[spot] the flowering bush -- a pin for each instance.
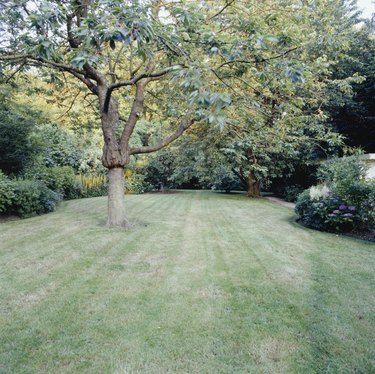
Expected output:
(92, 185)
(337, 215)
(345, 203)
(334, 214)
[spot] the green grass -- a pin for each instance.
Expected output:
(203, 283)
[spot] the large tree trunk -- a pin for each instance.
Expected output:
(114, 159)
(252, 186)
(116, 203)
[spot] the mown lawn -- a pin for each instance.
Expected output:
(203, 283)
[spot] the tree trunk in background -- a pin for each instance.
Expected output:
(253, 186)
(116, 201)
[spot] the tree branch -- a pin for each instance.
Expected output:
(135, 113)
(133, 81)
(153, 76)
(224, 83)
(17, 71)
(42, 62)
(70, 106)
(10, 57)
(185, 123)
(71, 40)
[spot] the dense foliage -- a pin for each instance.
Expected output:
(16, 124)
(6, 193)
(42, 163)
(351, 105)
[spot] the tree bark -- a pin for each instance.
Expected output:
(252, 186)
(116, 202)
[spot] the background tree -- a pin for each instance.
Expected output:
(351, 104)
(17, 122)
(277, 100)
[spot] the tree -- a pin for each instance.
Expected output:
(276, 114)
(113, 45)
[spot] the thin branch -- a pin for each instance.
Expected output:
(16, 72)
(136, 70)
(118, 58)
(10, 57)
(133, 81)
(82, 75)
(228, 4)
(185, 123)
(177, 50)
(70, 106)
(224, 83)
(88, 83)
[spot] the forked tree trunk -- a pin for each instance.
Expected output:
(252, 186)
(114, 159)
(116, 153)
(116, 202)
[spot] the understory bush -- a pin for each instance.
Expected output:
(135, 182)
(26, 197)
(32, 197)
(346, 201)
(290, 193)
(60, 179)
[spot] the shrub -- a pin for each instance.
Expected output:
(60, 179)
(319, 191)
(56, 145)
(48, 199)
(32, 197)
(6, 192)
(334, 214)
(135, 183)
(16, 123)
(290, 193)
(341, 174)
